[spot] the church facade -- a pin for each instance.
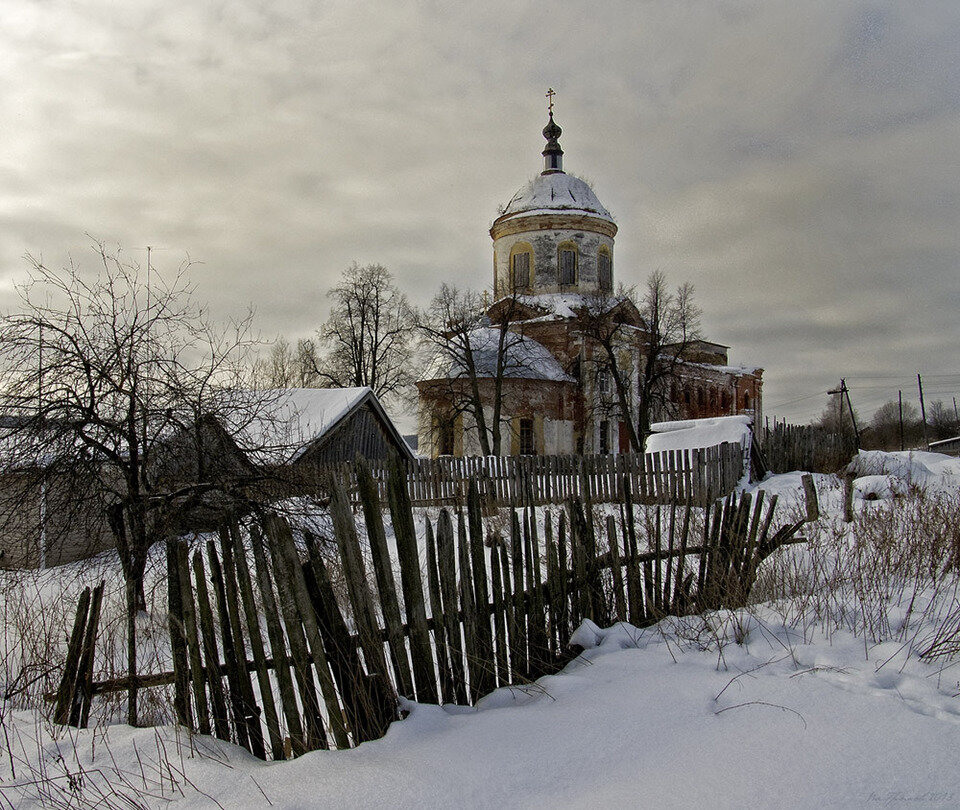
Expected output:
(564, 355)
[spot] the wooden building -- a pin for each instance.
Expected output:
(51, 516)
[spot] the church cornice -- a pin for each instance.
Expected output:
(559, 221)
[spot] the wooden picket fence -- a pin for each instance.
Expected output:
(697, 475)
(804, 447)
(284, 649)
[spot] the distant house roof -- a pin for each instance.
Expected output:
(300, 420)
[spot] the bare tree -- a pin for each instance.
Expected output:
(278, 367)
(286, 366)
(471, 356)
(118, 382)
(942, 420)
(369, 334)
(645, 339)
(614, 328)
(836, 416)
(672, 325)
(884, 429)
(306, 362)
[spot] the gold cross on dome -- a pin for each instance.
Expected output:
(550, 95)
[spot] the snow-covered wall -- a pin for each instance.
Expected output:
(692, 434)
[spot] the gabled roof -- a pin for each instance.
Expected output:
(301, 419)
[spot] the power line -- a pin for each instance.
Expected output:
(910, 376)
(793, 401)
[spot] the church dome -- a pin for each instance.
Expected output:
(553, 192)
(554, 235)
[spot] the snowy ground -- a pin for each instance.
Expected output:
(818, 700)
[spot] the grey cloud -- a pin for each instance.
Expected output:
(798, 162)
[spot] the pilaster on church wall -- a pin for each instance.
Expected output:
(558, 437)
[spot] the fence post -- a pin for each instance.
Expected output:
(810, 492)
(847, 497)
(68, 683)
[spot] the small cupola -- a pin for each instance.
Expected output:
(552, 153)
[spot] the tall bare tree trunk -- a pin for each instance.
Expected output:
(132, 688)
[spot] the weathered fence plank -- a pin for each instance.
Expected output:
(405, 533)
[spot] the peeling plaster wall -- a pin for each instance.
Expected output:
(545, 244)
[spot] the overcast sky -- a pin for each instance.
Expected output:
(798, 162)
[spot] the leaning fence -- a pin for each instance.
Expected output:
(285, 647)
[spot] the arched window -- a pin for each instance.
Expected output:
(746, 400)
(567, 263)
(521, 268)
(604, 270)
(725, 400)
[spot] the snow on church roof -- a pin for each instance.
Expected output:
(552, 192)
(526, 359)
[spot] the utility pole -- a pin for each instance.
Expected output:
(923, 413)
(843, 391)
(900, 403)
(40, 371)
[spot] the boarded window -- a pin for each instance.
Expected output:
(527, 445)
(521, 270)
(568, 266)
(604, 437)
(605, 272)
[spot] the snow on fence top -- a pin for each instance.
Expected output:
(693, 434)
